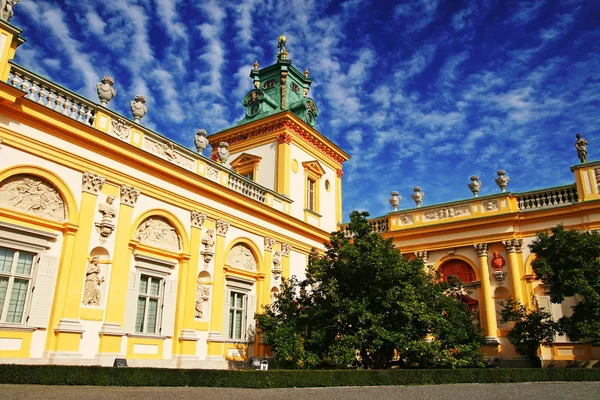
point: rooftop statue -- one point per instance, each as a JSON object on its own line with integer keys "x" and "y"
{"x": 580, "y": 145}
{"x": 282, "y": 52}
{"x": 6, "y": 7}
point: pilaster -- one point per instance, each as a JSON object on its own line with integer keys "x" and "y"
{"x": 184, "y": 342}
{"x": 338, "y": 196}
{"x": 283, "y": 163}
{"x": 491, "y": 326}
{"x": 68, "y": 330}
{"x": 112, "y": 330}
{"x": 514, "y": 249}
{"x": 218, "y": 302}
{"x": 286, "y": 249}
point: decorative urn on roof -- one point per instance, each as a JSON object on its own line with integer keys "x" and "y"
{"x": 200, "y": 140}
{"x": 395, "y": 200}
{"x": 475, "y": 185}
{"x": 418, "y": 195}
{"x": 223, "y": 152}
{"x": 138, "y": 108}
{"x": 105, "y": 90}
{"x": 502, "y": 180}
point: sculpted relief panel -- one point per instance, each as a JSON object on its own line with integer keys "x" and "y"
{"x": 240, "y": 256}
{"x": 158, "y": 232}
{"x": 168, "y": 152}
{"x": 33, "y": 195}
{"x": 447, "y": 212}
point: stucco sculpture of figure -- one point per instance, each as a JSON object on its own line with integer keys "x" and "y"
{"x": 498, "y": 262}
{"x": 105, "y": 89}
{"x": 202, "y": 296}
{"x": 581, "y": 146}
{"x": 6, "y": 9}
{"x": 200, "y": 140}
{"x": 277, "y": 265}
{"x": 108, "y": 210}
{"x": 138, "y": 108}
{"x": 91, "y": 293}
{"x": 223, "y": 152}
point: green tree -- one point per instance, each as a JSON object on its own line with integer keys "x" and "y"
{"x": 361, "y": 302}
{"x": 532, "y": 328}
{"x": 569, "y": 262}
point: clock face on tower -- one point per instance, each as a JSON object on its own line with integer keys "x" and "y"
{"x": 253, "y": 109}
{"x": 310, "y": 118}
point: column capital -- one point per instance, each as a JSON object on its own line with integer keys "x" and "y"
{"x": 286, "y": 248}
{"x": 92, "y": 183}
{"x": 269, "y": 243}
{"x": 197, "y": 219}
{"x": 129, "y": 195}
{"x": 513, "y": 245}
{"x": 222, "y": 227}
{"x": 481, "y": 249}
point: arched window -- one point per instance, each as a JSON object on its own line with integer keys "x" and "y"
{"x": 458, "y": 268}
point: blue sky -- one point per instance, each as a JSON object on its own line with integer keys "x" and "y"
{"x": 425, "y": 92}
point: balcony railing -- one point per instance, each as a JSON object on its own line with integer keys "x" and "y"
{"x": 547, "y": 198}
{"x": 247, "y": 188}
{"x": 378, "y": 225}
{"x": 51, "y": 95}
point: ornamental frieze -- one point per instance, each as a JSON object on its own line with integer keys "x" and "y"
{"x": 447, "y": 212}
{"x": 168, "y": 152}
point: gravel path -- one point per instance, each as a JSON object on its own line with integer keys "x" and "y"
{"x": 502, "y": 391}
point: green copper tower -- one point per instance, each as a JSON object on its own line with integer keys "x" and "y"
{"x": 279, "y": 87}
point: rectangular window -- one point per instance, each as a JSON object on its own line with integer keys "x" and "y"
{"x": 16, "y": 272}
{"x": 310, "y": 195}
{"x": 148, "y": 305}
{"x": 237, "y": 311}
{"x": 249, "y": 175}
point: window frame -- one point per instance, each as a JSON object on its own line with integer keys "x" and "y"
{"x": 148, "y": 296}
{"x": 233, "y": 310}
{"x": 13, "y": 275}
{"x": 234, "y": 284}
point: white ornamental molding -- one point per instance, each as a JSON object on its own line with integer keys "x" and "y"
{"x": 513, "y": 245}
{"x": 481, "y": 249}
{"x": 285, "y": 249}
{"x": 129, "y": 195}
{"x": 269, "y": 243}
{"x": 222, "y": 227}
{"x": 92, "y": 183}
{"x": 197, "y": 219}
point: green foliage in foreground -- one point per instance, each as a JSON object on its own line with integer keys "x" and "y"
{"x": 532, "y": 327}
{"x": 107, "y": 376}
{"x": 363, "y": 305}
{"x": 569, "y": 262}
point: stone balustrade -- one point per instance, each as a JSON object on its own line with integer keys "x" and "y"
{"x": 247, "y": 187}
{"x": 547, "y": 198}
{"x": 72, "y": 105}
{"x": 379, "y": 225}
{"x": 51, "y": 95}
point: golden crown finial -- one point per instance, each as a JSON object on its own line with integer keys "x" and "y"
{"x": 306, "y": 72}
{"x": 256, "y": 64}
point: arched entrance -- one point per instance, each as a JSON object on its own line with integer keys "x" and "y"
{"x": 463, "y": 271}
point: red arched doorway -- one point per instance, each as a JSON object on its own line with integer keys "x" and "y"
{"x": 458, "y": 268}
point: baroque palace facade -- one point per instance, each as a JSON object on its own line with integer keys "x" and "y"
{"x": 116, "y": 242}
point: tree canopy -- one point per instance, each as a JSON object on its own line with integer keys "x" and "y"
{"x": 569, "y": 262}
{"x": 363, "y": 304}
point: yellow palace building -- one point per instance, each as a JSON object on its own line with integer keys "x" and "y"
{"x": 116, "y": 242}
